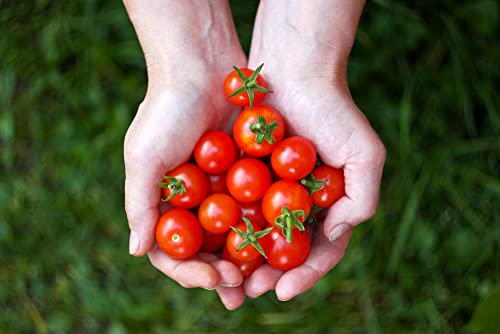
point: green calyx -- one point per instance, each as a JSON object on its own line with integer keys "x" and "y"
{"x": 176, "y": 186}
{"x": 263, "y": 130}
{"x": 287, "y": 220}
{"x": 312, "y": 184}
{"x": 312, "y": 217}
{"x": 249, "y": 84}
{"x": 250, "y": 237}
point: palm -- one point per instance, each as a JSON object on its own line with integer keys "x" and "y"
{"x": 326, "y": 115}
{"x": 165, "y": 130}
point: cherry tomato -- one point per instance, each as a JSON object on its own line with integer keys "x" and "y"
{"x": 256, "y": 131}
{"x": 249, "y": 237}
{"x": 213, "y": 242}
{"x": 179, "y": 234}
{"x": 185, "y": 186}
{"x": 288, "y": 194}
{"x": 253, "y": 212}
{"x": 217, "y": 184}
{"x": 246, "y": 267}
{"x": 215, "y": 152}
{"x": 248, "y": 179}
{"x": 283, "y": 255}
{"x": 326, "y": 185}
{"x": 293, "y": 158}
{"x": 218, "y": 212}
{"x": 243, "y": 93}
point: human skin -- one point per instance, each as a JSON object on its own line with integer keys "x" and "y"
{"x": 305, "y": 46}
{"x": 188, "y": 46}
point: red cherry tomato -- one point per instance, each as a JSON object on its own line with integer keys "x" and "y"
{"x": 186, "y": 178}
{"x": 234, "y": 82}
{"x": 215, "y": 152}
{"x": 256, "y": 131}
{"x": 332, "y": 186}
{"x": 248, "y": 179}
{"x": 218, "y": 212}
{"x": 288, "y": 194}
{"x": 217, "y": 184}
{"x": 293, "y": 158}
{"x": 213, "y": 242}
{"x": 283, "y": 255}
{"x": 179, "y": 234}
{"x": 253, "y": 212}
{"x": 246, "y": 267}
{"x": 247, "y": 253}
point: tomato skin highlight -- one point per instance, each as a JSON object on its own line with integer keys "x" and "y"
{"x": 246, "y": 267}
{"x": 248, "y": 179}
{"x": 217, "y": 184}
{"x": 195, "y": 182}
{"x": 288, "y": 194}
{"x": 213, "y": 242}
{"x": 246, "y": 139}
{"x": 218, "y": 212}
{"x": 179, "y": 234}
{"x": 247, "y": 253}
{"x": 283, "y": 255}
{"x": 293, "y": 158}
{"x": 253, "y": 212}
{"x": 214, "y": 152}
{"x": 233, "y": 82}
{"x": 334, "y": 187}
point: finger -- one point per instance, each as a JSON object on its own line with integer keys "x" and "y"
{"x": 142, "y": 173}
{"x": 262, "y": 280}
{"x": 232, "y": 298}
{"x": 323, "y": 257}
{"x": 230, "y": 275}
{"x": 150, "y": 151}
{"x": 363, "y": 173}
{"x": 190, "y": 273}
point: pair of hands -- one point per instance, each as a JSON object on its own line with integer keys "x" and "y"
{"x": 182, "y": 102}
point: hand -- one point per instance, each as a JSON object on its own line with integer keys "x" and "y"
{"x": 305, "y": 46}
{"x": 188, "y": 57}
{"x": 323, "y": 112}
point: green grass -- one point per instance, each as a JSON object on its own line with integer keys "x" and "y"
{"x": 426, "y": 75}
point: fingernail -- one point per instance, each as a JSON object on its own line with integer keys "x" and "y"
{"x": 283, "y": 299}
{"x": 134, "y": 243}
{"x": 210, "y": 289}
{"x": 228, "y": 285}
{"x": 338, "y": 231}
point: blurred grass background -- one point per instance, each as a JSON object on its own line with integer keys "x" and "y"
{"x": 426, "y": 75}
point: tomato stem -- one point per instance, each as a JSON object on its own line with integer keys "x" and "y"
{"x": 263, "y": 130}
{"x": 249, "y": 84}
{"x": 287, "y": 220}
{"x": 312, "y": 184}
{"x": 175, "y": 185}
{"x": 250, "y": 237}
{"x": 312, "y": 217}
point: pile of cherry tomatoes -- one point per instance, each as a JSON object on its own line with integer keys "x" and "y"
{"x": 248, "y": 198}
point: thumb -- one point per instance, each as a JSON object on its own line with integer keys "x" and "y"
{"x": 362, "y": 186}
{"x": 141, "y": 202}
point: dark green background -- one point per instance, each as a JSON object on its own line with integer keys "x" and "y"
{"x": 71, "y": 77}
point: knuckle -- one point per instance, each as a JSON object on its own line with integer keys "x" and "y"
{"x": 132, "y": 153}
{"x": 370, "y": 211}
{"x": 380, "y": 151}
{"x": 377, "y": 152}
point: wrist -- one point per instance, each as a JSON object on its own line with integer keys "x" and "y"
{"x": 185, "y": 38}
{"x": 309, "y": 38}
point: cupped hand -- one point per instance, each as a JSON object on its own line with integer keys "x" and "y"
{"x": 174, "y": 114}
{"x": 322, "y": 110}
